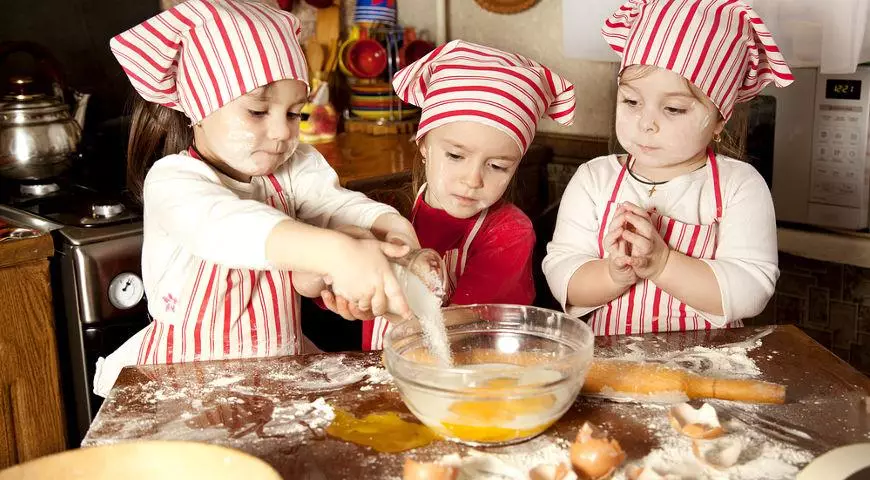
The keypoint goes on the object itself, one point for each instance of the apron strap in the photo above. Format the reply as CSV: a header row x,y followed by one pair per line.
x,y
613,195
714,171
470,238
417,200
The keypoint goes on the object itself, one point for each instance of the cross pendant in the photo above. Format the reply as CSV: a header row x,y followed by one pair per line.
x,y
652,190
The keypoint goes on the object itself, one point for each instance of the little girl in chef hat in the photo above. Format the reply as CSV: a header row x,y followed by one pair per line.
x,y
236,210
480,108
672,236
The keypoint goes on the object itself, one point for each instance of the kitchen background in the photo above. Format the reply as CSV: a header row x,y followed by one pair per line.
x,y
830,301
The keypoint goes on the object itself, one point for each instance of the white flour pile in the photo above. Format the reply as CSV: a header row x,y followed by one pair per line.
x,y
300,417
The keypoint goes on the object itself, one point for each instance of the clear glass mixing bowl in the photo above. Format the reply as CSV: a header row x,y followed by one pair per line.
x,y
516,370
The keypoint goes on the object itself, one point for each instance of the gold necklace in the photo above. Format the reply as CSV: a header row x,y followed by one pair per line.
x,y
652,185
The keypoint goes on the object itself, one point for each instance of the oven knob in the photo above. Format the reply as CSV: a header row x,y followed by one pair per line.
x,y
126,290
107,210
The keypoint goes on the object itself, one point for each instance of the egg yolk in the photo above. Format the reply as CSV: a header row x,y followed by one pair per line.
x,y
384,432
484,420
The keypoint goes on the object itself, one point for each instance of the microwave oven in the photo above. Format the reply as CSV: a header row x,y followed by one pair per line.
x,y
810,142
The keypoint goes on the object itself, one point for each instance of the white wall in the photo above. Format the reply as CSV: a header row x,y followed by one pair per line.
x,y
537,34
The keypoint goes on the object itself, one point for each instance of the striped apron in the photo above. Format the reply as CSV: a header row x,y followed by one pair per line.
x,y
228,312
645,307
454,260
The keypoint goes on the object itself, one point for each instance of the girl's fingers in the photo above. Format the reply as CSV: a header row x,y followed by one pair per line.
x,y
379,303
328,299
632,208
343,307
394,250
640,245
359,313
337,304
395,296
639,262
622,262
397,238
641,224
613,237
356,232
364,303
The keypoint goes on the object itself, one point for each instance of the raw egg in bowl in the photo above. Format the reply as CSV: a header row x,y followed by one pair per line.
x,y
515,371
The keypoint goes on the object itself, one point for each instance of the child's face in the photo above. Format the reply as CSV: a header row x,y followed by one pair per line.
x,y
255,133
660,122
468,166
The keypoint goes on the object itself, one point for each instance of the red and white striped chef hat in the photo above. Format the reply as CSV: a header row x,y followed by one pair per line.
x,y
202,54
461,81
721,46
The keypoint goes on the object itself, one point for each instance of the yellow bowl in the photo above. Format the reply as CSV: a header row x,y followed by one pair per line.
x,y
385,114
372,88
166,460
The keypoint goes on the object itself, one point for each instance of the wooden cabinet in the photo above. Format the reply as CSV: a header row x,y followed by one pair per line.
x,y
31,413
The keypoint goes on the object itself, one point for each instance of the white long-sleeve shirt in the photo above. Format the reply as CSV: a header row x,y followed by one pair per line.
x,y
746,257
193,212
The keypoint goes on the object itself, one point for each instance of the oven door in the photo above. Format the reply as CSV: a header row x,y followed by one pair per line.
x,y
89,322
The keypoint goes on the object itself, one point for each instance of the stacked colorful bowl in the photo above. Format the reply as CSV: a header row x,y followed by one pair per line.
x,y
376,101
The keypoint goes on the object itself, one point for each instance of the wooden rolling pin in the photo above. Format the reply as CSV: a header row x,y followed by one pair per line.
x,y
607,376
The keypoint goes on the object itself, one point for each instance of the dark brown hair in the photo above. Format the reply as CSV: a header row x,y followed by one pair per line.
x,y
155,131
733,136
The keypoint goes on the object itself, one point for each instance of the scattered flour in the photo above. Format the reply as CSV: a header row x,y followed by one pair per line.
x,y
378,375
761,458
726,361
300,417
514,464
223,382
325,374
651,398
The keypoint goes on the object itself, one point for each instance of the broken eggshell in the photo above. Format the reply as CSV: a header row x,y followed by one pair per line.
x,y
594,455
415,470
720,453
636,472
701,423
552,472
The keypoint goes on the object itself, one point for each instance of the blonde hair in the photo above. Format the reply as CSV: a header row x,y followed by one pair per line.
x,y
733,136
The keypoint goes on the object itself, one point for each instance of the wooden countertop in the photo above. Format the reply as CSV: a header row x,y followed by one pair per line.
x,y
362,157
22,250
245,404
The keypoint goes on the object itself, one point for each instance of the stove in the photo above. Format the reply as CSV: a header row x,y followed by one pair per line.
x,y
95,276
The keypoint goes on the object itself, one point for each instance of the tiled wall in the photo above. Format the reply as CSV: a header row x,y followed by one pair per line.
x,y
828,301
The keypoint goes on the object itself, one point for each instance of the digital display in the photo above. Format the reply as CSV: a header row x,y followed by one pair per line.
x,y
843,89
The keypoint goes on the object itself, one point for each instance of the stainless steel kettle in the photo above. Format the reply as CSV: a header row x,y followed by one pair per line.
x,y
39,137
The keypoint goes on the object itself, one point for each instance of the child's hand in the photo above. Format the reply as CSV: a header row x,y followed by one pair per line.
x,y
340,305
618,258
308,284
648,251
364,277
397,229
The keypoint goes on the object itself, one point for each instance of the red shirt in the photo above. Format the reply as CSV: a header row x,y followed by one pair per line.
x,y
498,263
